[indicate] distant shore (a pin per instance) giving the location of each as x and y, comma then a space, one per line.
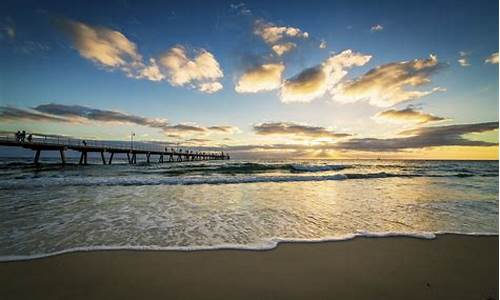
448, 267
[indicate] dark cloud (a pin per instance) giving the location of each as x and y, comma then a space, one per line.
423, 137
223, 128
76, 114
11, 114
416, 139
77, 111
289, 128
408, 114
186, 128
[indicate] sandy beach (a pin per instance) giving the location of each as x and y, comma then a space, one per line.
449, 267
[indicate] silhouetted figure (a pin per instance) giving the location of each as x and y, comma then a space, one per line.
30, 137
23, 136
18, 136
84, 143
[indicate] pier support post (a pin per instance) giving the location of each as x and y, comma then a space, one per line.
128, 157
102, 157
37, 156
160, 160
134, 158
82, 157
111, 158
63, 158
171, 158
147, 157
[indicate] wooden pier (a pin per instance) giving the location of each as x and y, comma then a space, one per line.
153, 152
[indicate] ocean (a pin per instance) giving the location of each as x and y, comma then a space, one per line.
240, 204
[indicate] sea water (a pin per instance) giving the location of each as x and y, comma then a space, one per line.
242, 204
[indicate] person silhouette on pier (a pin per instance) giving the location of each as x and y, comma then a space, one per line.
30, 137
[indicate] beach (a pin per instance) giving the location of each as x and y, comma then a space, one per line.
448, 267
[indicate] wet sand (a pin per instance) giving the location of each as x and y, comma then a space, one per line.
449, 267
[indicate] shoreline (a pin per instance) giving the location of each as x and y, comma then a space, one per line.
265, 246
449, 266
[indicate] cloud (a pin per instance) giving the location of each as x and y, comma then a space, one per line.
322, 44
376, 28
423, 137
294, 129
492, 59
196, 141
240, 9
314, 82
8, 113
201, 69
152, 71
187, 129
77, 114
10, 31
264, 77
223, 129
271, 34
7, 29
210, 87
104, 46
112, 50
408, 114
281, 49
463, 59
390, 84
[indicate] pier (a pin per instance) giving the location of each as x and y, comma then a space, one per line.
152, 152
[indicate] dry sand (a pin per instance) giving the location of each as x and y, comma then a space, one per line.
449, 267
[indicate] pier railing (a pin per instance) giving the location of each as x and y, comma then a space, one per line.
55, 140
39, 142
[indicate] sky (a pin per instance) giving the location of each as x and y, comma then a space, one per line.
259, 79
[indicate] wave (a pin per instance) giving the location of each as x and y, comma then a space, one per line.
268, 244
10, 184
317, 168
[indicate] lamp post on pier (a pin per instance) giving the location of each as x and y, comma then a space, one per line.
132, 140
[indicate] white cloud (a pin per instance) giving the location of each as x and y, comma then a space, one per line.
389, 84
210, 87
322, 44
265, 77
492, 59
377, 27
272, 34
106, 47
201, 69
112, 50
152, 72
314, 82
463, 60
281, 49
240, 8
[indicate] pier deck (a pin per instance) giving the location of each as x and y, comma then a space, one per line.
40, 142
